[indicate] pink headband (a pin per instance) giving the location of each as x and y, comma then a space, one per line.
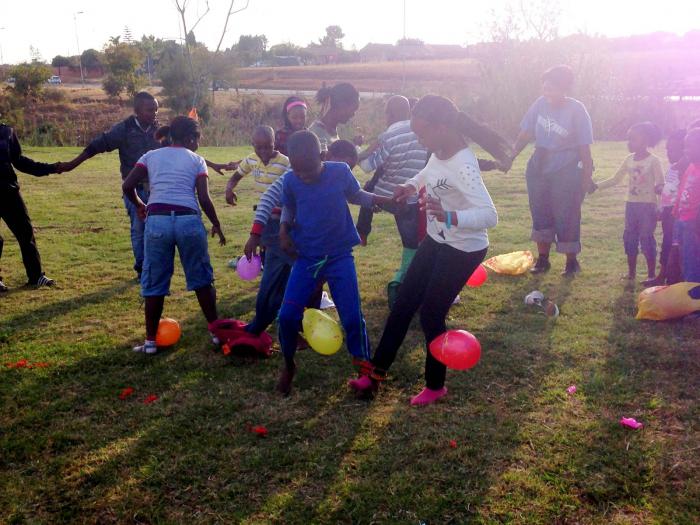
295, 104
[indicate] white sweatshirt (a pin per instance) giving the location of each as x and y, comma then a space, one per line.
456, 182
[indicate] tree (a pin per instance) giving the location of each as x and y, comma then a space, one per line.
123, 61
334, 34
285, 49
60, 61
251, 48
30, 78
91, 58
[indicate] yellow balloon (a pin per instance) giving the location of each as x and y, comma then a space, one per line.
514, 263
659, 303
322, 332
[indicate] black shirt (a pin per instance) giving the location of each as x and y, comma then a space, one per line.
11, 157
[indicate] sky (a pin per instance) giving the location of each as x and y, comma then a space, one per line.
50, 27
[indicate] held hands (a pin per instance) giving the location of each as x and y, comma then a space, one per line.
287, 244
220, 168
403, 192
216, 230
62, 167
251, 246
433, 207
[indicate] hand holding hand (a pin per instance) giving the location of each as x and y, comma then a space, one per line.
403, 192
433, 206
287, 244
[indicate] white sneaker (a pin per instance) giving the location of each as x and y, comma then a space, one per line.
457, 300
215, 340
326, 301
148, 347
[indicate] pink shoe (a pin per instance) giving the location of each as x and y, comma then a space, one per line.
428, 396
361, 384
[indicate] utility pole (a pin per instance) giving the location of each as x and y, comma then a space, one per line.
2, 58
77, 42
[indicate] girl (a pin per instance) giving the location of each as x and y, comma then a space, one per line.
559, 172
338, 105
687, 208
173, 219
459, 210
294, 119
645, 181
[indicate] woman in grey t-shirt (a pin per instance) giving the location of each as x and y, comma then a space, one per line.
559, 172
338, 105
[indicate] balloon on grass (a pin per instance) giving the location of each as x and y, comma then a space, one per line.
168, 332
478, 278
456, 349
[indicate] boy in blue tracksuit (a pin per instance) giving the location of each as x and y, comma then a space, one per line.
316, 225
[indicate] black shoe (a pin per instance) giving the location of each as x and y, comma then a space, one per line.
571, 269
541, 266
3, 287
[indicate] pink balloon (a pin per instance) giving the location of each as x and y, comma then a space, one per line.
456, 349
479, 277
249, 270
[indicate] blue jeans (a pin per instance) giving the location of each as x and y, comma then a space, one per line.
307, 272
163, 234
690, 240
278, 266
137, 227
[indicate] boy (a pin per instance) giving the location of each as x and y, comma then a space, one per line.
265, 163
265, 231
317, 227
133, 137
12, 208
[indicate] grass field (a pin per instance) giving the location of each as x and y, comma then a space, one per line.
72, 452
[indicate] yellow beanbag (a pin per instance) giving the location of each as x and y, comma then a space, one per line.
659, 303
515, 263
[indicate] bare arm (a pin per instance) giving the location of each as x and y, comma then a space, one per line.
587, 172
202, 186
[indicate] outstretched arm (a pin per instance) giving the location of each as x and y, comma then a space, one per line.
202, 186
27, 165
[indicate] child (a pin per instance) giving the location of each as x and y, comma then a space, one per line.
338, 105
315, 196
278, 264
12, 208
669, 266
459, 210
294, 119
175, 174
266, 164
645, 181
687, 209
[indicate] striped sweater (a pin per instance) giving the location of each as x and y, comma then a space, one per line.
270, 202
401, 155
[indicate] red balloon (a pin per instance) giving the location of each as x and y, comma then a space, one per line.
478, 277
456, 349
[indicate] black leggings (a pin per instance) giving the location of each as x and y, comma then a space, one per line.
436, 275
14, 213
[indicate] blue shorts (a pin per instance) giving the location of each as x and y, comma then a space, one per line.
164, 233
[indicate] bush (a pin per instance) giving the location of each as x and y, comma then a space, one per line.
30, 79
123, 61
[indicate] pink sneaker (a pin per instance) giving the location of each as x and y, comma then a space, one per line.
428, 396
361, 384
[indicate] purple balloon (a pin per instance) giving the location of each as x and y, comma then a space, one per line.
249, 270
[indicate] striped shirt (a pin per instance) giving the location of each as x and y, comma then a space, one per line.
264, 174
269, 203
401, 155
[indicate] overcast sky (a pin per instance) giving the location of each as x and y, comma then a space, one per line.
48, 25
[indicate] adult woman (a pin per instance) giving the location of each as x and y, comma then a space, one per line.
338, 105
559, 172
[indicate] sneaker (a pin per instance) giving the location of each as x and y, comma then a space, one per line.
148, 347
428, 396
43, 281
215, 340
284, 383
3, 287
571, 269
362, 384
326, 301
541, 266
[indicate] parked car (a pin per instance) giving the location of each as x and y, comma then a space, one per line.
10, 80
54, 79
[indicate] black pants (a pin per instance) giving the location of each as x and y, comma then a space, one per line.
14, 213
667, 222
436, 275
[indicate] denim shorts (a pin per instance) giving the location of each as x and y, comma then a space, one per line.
640, 224
164, 233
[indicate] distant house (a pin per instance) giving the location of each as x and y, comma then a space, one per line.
373, 52
324, 54
287, 61
377, 52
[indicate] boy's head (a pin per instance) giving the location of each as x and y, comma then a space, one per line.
643, 136
397, 109
263, 142
674, 146
692, 146
557, 82
145, 107
304, 152
343, 151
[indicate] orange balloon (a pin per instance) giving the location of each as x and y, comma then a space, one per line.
168, 332
456, 349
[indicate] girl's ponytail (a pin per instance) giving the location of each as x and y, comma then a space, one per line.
483, 135
339, 94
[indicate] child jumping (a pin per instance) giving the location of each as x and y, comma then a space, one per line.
645, 182
459, 210
293, 119
317, 227
265, 232
266, 164
173, 219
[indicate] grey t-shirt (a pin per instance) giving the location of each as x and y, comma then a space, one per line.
324, 136
559, 130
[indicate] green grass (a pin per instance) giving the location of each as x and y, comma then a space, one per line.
71, 451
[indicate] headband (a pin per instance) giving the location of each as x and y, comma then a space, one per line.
295, 104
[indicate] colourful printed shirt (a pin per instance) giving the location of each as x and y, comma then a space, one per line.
264, 174
643, 178
689, 194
